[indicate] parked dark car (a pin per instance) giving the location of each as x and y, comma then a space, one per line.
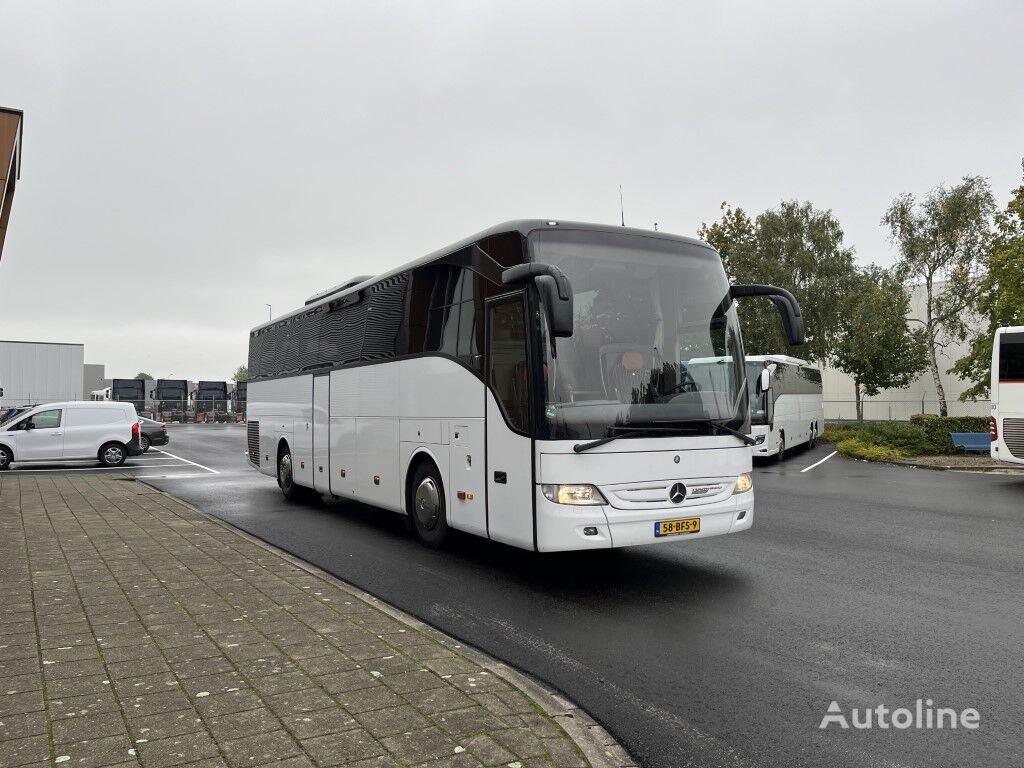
153, 433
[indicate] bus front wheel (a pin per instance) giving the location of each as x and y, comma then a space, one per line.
285, 479
426, 506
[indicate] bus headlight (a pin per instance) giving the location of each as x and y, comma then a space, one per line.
573, 494
744, 483
759, 439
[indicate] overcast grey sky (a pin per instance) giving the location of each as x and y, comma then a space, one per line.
186, 163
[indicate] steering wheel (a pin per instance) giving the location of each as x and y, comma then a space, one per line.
688, 384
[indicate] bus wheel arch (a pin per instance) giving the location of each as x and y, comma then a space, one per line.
426, 507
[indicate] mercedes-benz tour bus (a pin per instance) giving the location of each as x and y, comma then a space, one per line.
1007, 422
786, 404
527, 384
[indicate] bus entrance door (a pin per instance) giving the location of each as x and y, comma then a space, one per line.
509, 447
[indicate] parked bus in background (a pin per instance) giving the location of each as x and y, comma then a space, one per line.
1007, 423
210, 400
129, 391
786, 405
171, 398
239, 399
527, 384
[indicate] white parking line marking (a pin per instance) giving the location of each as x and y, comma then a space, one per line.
820, 462
171, 477
167, 453
97, 469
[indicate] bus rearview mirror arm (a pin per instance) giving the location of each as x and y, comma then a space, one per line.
555, 291
786, 304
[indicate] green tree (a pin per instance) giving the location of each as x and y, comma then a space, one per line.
1001, 295
794, 246
142, 376
242, 374
874, 345
944, 244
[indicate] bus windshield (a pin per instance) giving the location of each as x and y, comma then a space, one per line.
656, 341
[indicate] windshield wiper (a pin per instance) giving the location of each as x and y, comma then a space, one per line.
735, 432
716, 426
581, 447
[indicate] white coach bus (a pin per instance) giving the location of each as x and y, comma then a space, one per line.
1007, 423
526, 384
786, 404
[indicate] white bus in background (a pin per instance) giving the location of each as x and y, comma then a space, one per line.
1007, 422
527, 384
786, 405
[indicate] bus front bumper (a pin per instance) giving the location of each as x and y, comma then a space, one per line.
563, 527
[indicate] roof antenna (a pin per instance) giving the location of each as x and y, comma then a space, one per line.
622, 211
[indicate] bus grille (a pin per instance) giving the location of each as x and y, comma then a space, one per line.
1013, 436
254, 442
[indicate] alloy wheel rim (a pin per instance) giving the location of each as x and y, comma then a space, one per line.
427, 503
286, 470
113, 455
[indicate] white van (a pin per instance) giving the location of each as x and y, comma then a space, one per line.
55, 432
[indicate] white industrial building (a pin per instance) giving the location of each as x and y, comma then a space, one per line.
919, 397
39, 372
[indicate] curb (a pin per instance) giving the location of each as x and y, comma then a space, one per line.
990, 469
597, 745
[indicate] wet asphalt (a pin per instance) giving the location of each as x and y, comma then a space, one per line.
859, 583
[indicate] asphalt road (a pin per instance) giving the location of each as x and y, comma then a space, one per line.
860, 583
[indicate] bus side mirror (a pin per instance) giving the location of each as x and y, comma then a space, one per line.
555, 291
559, 311
764, 382
786, 304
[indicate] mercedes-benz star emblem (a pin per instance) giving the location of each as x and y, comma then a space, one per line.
677, 493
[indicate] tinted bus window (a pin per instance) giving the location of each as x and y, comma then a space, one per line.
1011, 357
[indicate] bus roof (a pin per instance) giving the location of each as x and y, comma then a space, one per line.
522, 226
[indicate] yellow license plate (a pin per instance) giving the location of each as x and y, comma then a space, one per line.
675, 527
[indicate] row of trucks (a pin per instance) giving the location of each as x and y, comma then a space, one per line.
178, 400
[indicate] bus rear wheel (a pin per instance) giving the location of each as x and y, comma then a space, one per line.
426, 506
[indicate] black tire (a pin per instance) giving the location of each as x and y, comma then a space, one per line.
145, 443
781, 455
112, 454
426, 506
6, 457
285, 479
812, 441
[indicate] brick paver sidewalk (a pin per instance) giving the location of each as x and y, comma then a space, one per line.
135, 631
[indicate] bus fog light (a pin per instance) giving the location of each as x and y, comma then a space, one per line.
744, 483
573, 494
